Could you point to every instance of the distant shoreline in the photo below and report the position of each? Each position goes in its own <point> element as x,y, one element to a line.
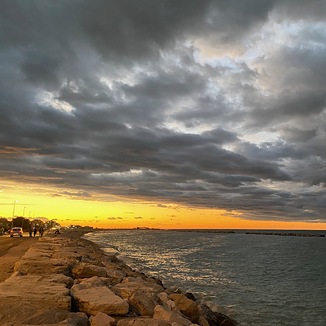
<point>293,233</point>
<point>288,234</point>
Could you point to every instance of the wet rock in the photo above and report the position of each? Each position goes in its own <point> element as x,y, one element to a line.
<point>202,321</point>
<point>207,316</point>
<point>225,320</point>
<point>190,296</point>
<point>186,306</point>
<point>215,318</point>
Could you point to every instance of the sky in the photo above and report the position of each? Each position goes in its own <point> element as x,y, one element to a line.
<point>164,113</point>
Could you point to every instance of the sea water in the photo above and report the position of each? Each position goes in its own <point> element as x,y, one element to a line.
<point>258,280</point>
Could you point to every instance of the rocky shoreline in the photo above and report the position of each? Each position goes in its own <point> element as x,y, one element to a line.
<point>67,280</point>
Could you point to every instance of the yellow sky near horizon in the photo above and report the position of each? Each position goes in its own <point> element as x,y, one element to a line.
<point>33,202</point>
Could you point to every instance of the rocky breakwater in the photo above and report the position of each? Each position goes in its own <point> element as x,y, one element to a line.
<point>67,280</point>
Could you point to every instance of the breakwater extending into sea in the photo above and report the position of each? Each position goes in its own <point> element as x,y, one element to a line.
<point>272,280</point>
<point>289,234</point>
<point>69,281</point>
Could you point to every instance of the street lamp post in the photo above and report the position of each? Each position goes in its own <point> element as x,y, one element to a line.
<point>13,210</point>
<point>13,213</point>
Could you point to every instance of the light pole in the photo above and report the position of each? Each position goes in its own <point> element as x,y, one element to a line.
<point>13,213</point>
<point>13,210</point>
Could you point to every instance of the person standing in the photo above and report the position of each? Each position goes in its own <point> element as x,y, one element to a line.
<point>30,230</point>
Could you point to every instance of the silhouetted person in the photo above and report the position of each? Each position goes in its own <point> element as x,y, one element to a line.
<point>30,231</point>
<point>41,231</point>
<point>34,231</point>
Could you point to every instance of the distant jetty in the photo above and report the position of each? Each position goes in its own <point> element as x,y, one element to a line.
<point>226,231</point>
<point>289,234</point>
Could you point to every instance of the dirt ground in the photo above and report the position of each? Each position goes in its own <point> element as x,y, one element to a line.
<point>11,249</point>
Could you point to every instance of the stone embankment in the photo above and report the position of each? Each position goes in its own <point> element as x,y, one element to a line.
<point>69,281</point>
<point>289,234</point>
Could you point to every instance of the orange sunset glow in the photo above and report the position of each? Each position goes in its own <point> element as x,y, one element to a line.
<point>127,213</point>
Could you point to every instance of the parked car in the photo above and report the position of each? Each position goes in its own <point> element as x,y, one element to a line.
<point>16,231</point>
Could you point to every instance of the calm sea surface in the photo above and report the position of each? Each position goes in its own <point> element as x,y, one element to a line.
<point>259,280</point>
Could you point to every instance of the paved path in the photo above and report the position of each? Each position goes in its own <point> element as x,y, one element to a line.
<point>11,249</point>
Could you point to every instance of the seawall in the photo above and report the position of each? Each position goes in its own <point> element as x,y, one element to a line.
<point>67,280</point>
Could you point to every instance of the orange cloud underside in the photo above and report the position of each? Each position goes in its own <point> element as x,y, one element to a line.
<point>123,213</point>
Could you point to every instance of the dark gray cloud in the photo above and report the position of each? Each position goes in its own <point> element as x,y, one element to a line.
<point>217,104</point>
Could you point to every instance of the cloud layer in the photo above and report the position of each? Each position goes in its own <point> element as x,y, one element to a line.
<point>217,104</point>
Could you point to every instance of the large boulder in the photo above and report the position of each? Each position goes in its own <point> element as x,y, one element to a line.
<point>114,276</point>
<point>165,301</point>
<point>225,320</point>
<point>73,319</point>
<point>101,319</point>
<point>40,262</point>
<point>186,306</point>
<point>50,319</point>
<point>46,291</point>
<point>131,285</point>
<point>170,316</point>
<point>142,321</point>
<point>143,303</point>
<point>86,270</point>
<point>207,316</point>
<point>39,298</point>
<point>92,300</point>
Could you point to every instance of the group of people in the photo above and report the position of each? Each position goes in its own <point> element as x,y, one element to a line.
<point>33,231</point>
